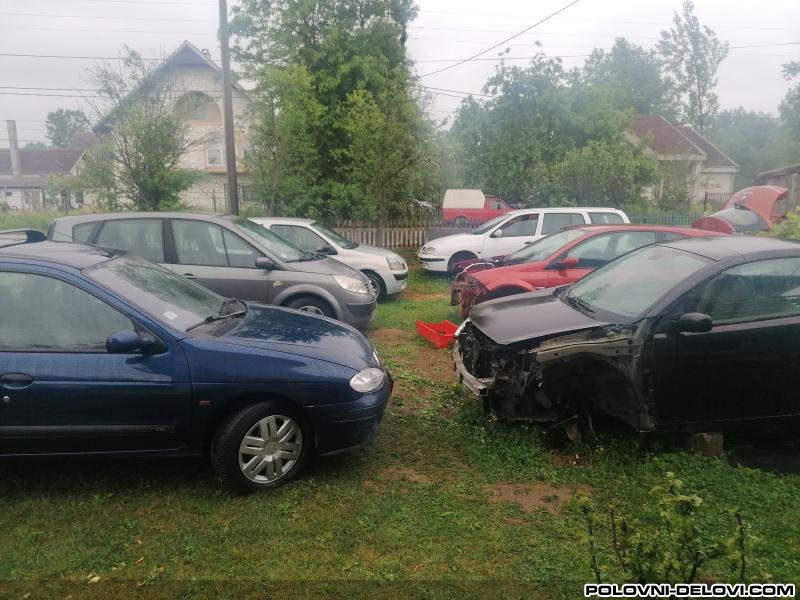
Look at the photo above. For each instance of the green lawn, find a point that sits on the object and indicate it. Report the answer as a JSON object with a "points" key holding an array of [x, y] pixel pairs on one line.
{"points": [[442, 504]]}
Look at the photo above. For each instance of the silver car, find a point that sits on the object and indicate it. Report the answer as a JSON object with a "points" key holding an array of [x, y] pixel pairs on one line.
{"points": [[233, 257], [387, 271]]}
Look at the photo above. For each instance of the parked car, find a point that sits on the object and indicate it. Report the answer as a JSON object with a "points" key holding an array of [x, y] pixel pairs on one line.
{"points": [[558, 259], [508, 233], [470, 207], [386, 271], [104, 353], [687, 335], [233, 257], [756, 208]]}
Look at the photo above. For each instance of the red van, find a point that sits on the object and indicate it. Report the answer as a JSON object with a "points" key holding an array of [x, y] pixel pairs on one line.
{"points": [[471, 207]]}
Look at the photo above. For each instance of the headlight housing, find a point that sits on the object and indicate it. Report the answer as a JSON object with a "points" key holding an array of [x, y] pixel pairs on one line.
{"points": [[396, 264], [368, 380], [352, 284], [427, 250]]}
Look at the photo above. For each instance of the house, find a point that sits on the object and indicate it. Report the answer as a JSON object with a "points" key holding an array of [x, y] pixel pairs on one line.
{"points": [[27, 175], [195, 81], [788, 177], [686, 158]]}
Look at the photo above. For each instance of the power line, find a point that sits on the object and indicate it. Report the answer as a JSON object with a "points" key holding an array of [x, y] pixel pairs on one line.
{"points": [[524, 31], [106, 30], [95, 17]]}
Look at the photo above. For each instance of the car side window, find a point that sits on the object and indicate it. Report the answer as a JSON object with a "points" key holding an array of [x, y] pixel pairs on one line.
{"points": [[631, 240], [144, 237], [301, 237], [84, 231], [199, 243], [592, 253], [667, 236], [240, 253], [605, 218], [557, 221], [523, 225], [41, 313], [766, 289]]}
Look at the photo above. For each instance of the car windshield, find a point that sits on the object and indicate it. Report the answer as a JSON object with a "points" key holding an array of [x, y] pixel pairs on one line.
{"points": [[545, 247], [337, 238], [167, 297], [488, 225], [627, 287], [273, 242], [742, 218]]}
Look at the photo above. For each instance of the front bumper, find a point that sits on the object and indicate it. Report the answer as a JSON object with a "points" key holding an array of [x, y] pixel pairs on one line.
{"points": [[477, 385], [341, 427], [433, 263], [395, 281], [360, 315]]}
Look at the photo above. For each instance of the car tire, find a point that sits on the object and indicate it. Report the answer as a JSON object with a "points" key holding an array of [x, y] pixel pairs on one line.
{"points": [[461, 222], [457, 258], [313, 305], [261, 446], [376, 283]]}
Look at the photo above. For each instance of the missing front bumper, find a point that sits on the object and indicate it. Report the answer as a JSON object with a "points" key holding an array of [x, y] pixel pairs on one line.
{"points": [[480, 386]]}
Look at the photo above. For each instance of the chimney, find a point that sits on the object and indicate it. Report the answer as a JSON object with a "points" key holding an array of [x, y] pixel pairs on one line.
{"points": [[13, 148], [206, 52]]}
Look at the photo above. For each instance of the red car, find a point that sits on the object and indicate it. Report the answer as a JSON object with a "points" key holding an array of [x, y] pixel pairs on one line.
{"points": [[558, 259]]}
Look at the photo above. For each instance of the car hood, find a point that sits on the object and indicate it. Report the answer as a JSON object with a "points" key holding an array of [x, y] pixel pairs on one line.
{"points": [[509, 272], [457, 240], [326, 266], [375, 251], [529, 317], [283, 329]]}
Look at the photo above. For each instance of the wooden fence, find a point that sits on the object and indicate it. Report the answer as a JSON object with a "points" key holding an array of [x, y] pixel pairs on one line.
{"points": [[394, 236], [665, 218]]}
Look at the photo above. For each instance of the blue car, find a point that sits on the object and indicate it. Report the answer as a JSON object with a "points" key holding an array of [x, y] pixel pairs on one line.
{"points": [[103, 353]]}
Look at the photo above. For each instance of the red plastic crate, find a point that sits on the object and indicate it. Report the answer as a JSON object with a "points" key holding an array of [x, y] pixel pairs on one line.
{"points": [[441, 334]]}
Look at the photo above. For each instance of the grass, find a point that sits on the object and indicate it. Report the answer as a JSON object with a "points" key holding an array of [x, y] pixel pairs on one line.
{"points": [[411, 515]]}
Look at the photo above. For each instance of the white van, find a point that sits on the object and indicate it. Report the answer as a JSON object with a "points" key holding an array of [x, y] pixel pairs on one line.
{"points": [[508, 233]]}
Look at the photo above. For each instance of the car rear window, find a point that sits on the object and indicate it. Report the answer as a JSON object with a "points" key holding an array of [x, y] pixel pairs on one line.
{"points": [[557, 221], [605, 217]]}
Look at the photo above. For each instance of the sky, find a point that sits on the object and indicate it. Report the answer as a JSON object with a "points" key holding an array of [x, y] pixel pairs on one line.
{"points": [[30, 87]]}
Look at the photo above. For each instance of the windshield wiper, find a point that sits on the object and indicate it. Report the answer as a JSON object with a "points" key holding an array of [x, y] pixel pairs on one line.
{"points": [[221, 315], [310, 256], [578, 303]]}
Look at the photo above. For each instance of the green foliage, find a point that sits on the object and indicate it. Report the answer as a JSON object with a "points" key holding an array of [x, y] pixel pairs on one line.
{"points": [[136, 165], [35, 146], [692, 55], [789, 228], [790, 106], [63, 123], [671, 545], [341, 133], [541, 138]]}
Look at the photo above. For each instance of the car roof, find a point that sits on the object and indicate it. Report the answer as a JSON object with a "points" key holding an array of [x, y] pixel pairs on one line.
{"points": [[78, 256], [74, 220], [282, 220], [595, 228], [722, 247], [550, 209]]}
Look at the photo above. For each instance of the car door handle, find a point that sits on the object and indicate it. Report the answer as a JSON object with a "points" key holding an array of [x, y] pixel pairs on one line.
{"points": [[528, 243], [15, 381], [190, 276]]}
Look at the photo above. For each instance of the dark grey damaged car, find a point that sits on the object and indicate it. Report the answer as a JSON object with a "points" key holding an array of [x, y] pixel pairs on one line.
{"points": [[691, 335]]}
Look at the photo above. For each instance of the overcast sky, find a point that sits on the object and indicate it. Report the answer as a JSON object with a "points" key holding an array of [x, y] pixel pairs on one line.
{"points": [[444, 29]]}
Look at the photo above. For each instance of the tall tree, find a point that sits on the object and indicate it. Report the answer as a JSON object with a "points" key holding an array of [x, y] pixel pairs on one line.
{"points": [[63, 123], [633, 77], [137, 164], [790, 106], [692, 54]]}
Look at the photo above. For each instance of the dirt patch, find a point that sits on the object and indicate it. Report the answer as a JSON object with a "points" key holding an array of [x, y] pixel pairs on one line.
{"points": [[423, 297], [530, 496], [427, 361], [404, 474]]}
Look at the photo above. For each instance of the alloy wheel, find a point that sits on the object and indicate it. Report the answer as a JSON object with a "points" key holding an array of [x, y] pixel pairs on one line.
{"points": [[270, 449]]}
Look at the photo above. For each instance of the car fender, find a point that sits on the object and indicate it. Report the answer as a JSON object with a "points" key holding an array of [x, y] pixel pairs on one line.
{"points": [[307, 289]]}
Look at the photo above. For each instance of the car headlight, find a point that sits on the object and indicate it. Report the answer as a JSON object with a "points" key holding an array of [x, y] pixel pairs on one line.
{"points": [[352, 284], [368, 380], [461, 327], [396, 264], [427, 250]]}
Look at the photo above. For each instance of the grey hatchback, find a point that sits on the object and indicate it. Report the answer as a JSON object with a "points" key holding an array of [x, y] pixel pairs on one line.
{"points": [[233, 257]]}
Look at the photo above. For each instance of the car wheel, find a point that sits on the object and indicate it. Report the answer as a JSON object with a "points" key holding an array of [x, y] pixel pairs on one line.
{"points": [[313, 305], [377, 284], [457, 258], [260, 447], [461, 222]]}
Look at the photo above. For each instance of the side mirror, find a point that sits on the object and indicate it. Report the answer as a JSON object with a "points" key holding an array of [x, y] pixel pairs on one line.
{"points": [[568, 262], [262, 262], [127, 342], [327, 250], [693, 323], [497, 233]]}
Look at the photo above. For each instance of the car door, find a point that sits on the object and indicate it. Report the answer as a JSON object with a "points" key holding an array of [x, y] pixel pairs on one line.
{"points": [[553, 222], [63, 392], [219, 259], [748, 365], [511, 235], [144, 237]]}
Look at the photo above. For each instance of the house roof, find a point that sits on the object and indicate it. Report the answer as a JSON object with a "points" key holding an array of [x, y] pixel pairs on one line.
{"points": [[662, 136], [45, 161], [779, 171], [714, 156]]}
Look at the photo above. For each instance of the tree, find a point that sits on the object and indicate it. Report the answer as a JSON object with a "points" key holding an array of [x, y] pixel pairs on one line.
{"points": [[63, 123], [692, 54], [136, 165], [790, 106], [36, 146], [633, 77]]}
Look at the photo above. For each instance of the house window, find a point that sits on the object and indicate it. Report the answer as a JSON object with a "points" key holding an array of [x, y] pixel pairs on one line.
{"points": [[215, 154]]}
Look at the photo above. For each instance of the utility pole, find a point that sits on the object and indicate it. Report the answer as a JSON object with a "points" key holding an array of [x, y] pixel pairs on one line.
{"points": [[227, 103]]}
